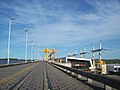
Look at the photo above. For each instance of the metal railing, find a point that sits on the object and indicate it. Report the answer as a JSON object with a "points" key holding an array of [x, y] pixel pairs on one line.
{"points": [[107, 81], [15, 64]]}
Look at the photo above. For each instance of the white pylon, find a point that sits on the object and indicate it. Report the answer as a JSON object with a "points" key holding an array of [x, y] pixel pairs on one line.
{"points": [[100, 51], [80, 53], [85, 52], [93, 54]]}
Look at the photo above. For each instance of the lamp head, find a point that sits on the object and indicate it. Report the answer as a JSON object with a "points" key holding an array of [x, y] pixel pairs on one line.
{"points": [[12, 18], [26, 30]]}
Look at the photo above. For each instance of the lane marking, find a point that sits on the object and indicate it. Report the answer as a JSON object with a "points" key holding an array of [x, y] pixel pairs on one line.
{"points": [[16, 74]]}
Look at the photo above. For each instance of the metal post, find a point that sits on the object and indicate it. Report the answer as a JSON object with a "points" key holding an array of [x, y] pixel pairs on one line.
{"points": [[80, 53], [32, 51], [84, 52], [75, 53], [26, 30], [100, 51], [35, 52], [93, 55], [10, 22]]}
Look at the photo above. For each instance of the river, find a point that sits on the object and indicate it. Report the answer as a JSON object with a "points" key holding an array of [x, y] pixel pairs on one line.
{"points": [[11, 61]]}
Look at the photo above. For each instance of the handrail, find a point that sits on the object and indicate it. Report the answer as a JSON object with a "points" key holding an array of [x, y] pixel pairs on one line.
{"points": [[14, 64], [115, 83]]}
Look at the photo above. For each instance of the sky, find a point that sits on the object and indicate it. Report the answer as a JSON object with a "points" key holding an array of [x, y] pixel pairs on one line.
{"points": [[66, 25]]}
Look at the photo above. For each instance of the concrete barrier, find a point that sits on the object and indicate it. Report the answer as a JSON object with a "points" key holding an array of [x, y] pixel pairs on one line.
{"points": [[107, 81]]}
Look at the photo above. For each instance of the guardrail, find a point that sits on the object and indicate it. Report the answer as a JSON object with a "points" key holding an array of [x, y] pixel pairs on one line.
{"points": [[107, 81], [15, 64]]}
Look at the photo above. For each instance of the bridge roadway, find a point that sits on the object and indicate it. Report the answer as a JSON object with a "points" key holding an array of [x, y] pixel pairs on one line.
{"points": [[38, 76]]}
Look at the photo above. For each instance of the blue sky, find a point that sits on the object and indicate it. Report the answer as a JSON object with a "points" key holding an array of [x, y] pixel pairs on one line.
{"points": [[65, 25]]}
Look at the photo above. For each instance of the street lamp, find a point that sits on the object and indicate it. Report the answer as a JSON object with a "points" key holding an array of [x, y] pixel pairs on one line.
{"points": [[34, 52], [31, 51], [10, 22], [26, 31]]}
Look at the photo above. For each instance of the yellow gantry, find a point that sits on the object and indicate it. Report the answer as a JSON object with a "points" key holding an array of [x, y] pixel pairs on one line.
{"points": [[47, 51], [52, 53]]}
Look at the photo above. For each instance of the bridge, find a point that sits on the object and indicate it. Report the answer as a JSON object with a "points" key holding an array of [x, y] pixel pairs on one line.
{"points": [[49, 76]]}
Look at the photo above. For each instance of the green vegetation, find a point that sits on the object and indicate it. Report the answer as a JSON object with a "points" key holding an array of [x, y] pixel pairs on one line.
{"points": [[10, 59], [112, 61]]}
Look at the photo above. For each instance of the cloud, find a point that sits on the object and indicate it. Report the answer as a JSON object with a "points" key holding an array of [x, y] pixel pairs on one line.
{"points": [[54, 24], [66, 27]]}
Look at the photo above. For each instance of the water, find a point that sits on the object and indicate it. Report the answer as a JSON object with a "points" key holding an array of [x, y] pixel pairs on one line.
{"points": [[11, 61]]}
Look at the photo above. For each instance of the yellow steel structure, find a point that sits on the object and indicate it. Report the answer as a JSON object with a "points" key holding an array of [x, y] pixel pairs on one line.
{"points": [[98, 65], [52, 54], [101, 62], [47, 51]]}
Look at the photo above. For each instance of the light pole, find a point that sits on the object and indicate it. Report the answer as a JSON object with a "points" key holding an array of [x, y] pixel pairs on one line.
{"points": [[10, 22], [34, 52], [31, 51], [26, 31]]}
